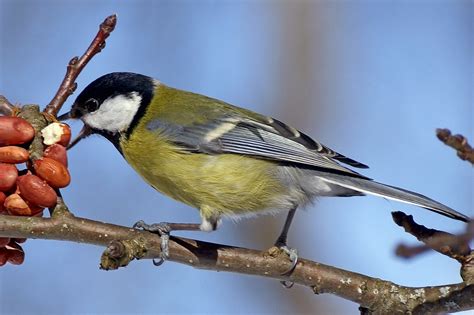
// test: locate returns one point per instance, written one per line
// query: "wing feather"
(269, 139)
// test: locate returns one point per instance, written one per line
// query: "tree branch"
(76, 64)
(458, 143)
(125, 244)
(454, 246)
(6, 108)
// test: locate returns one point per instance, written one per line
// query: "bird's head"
(112, 104)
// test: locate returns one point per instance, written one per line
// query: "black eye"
(92, 105)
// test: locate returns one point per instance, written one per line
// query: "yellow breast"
(228, 183)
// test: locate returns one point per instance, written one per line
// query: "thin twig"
(6, 108)
(458, 143)
(76, 64)
(451, 241)
(454, 246)
(381, 297)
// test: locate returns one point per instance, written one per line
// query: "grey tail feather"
(371, 187)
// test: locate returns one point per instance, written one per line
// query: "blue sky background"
(371, 79)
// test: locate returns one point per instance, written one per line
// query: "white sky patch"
(115, 114)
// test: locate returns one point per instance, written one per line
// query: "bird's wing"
(260, 136)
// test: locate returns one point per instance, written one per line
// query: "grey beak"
(65, 116)
(84, 133)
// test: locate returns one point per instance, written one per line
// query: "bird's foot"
(163, 229)
(292, 254)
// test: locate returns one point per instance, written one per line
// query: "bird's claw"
(139, 225)
(163, 230)
(158, 262)
(293, 255)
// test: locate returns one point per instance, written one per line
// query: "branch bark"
(125, 244)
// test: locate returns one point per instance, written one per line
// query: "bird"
(224, 160)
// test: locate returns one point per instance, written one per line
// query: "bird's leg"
(281, 243)
(210, 222)
(164, 229)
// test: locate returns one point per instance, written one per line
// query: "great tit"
(224, 160)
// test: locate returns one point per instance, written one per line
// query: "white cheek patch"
(115, 114)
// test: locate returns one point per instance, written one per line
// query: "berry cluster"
(27, 192)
